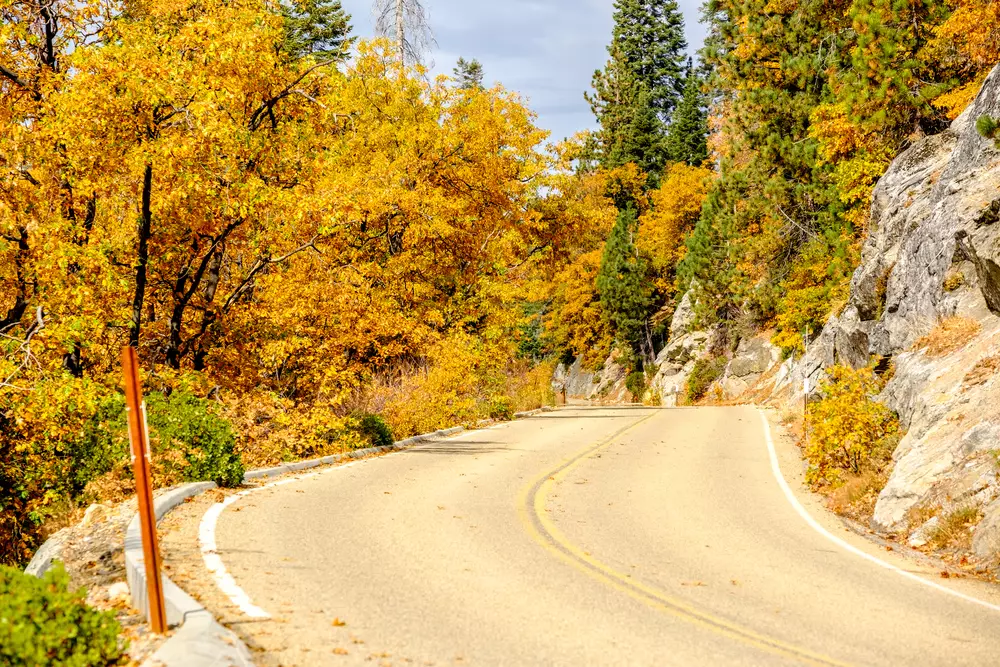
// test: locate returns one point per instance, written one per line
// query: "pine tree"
(622, 284)
(319, 28)
(650, 35)
(468, 74)
(686, 138)
(630, 129)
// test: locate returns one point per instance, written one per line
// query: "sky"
(547, 50)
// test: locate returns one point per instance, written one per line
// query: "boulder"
(986, 539)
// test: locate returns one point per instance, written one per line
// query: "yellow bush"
(847, 430)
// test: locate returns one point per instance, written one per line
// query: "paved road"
(589, 536)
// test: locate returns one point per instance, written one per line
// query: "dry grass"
(920, 514)
(954, 530)
(857, 496)
(949, 336)
(982, 372)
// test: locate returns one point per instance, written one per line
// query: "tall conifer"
(320, 28)
(622, 284)
(630, 129)
(686, 139)
(650, 35)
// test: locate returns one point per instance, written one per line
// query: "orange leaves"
(971, 35)
(576, 321)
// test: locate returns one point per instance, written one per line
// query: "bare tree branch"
(406, 22)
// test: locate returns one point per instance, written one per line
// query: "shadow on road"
(466, 447)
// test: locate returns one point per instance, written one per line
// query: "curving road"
(588, 536)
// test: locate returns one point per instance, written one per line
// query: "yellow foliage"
(461, 381)
(970, 35)
(817, 285)
(847, 430)
(860, 156)
(674, 210)
(575, 321)
(956, 100)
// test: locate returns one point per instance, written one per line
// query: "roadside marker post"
(138, 435)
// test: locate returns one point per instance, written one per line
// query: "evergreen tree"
(630, 130)
(622, 284)
(650, 35)
(469, 74)
(319, 28)
(686, 138)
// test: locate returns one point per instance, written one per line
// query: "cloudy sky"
(545, 49)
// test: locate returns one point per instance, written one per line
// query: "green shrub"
(373, 428)
(102, 444)
(184, 423)
(42, 622)
(988, 127)
(706, 371)
(636, 385)
(501, 408)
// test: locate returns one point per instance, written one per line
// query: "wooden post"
(139, 438)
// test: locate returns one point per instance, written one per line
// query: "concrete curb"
(200, 641)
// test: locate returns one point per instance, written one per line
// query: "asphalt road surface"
(587, 536)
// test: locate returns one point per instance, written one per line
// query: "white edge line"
(776, 469)
(209, 548)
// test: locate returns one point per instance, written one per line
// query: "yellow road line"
(531, 508)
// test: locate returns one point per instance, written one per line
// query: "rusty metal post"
(138, 434)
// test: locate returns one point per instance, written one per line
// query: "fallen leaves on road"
(337, 623)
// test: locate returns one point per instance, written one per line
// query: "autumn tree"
(663, 231)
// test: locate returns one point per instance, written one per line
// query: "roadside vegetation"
(849, 440)
(43, 622)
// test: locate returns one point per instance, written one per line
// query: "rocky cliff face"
(931, 254)
(933, 245)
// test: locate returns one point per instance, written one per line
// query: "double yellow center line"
(531, 507)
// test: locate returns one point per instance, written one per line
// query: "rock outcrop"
(606, 384)
(931, 255)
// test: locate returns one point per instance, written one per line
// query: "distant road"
(588, 536)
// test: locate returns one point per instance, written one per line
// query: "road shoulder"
(793, 469)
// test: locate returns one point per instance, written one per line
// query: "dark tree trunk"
(16, 311)
(142, 258)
